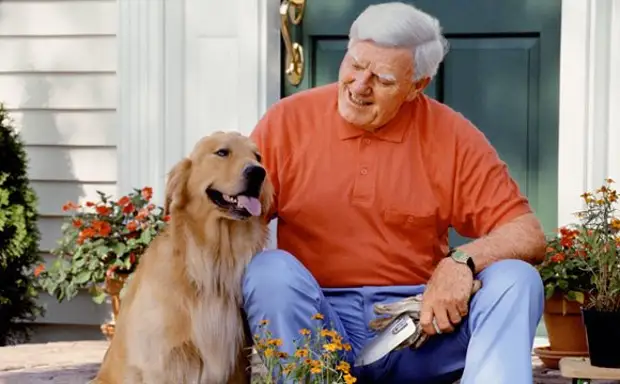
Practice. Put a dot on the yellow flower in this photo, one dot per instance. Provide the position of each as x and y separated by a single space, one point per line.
317 316
269 352
288 368
302 352
276 342
263 323
346 346
615 224
304 332
348 379
331 347
343 366
315 366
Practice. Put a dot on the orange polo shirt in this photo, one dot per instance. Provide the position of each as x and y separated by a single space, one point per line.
373 209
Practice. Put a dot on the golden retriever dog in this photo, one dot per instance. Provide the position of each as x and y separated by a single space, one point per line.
180 320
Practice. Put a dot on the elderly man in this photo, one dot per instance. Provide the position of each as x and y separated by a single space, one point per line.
369 175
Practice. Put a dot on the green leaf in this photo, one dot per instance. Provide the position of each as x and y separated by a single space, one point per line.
146 237
83 277
99 297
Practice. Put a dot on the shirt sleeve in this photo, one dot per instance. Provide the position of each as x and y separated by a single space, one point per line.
485 195
266 136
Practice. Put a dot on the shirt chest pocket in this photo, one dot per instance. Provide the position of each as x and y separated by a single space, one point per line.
419 228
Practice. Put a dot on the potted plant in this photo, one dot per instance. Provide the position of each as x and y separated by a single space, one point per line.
600 241
101 245
566 285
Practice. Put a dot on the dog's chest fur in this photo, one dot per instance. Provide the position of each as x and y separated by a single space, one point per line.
217 327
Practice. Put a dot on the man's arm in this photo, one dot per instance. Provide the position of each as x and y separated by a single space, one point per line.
488 205
521 238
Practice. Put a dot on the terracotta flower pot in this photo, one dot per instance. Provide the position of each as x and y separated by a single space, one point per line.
113 286
565 326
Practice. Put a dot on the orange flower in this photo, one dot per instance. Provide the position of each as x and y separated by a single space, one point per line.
90 204
129 208
85 234
123 201
103 210
132 226
102 228
77 223
70 206
558 257
147 193
40 268
166 218
143 214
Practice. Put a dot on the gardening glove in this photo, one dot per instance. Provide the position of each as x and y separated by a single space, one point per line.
412 306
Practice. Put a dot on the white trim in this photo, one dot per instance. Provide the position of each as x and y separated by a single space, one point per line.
141 109
589 128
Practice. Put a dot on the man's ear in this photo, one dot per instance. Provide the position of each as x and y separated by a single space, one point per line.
418 87
176 186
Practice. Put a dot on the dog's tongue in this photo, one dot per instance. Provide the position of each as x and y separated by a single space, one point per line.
251 204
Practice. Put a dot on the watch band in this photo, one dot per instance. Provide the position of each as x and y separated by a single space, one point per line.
462 258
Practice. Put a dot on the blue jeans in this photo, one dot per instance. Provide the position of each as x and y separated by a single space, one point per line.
493 343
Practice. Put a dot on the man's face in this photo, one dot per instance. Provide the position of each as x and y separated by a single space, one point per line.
374 82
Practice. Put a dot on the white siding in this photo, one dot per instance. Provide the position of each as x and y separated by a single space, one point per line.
58 62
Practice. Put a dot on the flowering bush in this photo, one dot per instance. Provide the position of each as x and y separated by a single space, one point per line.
600 238
562 270
317 358
584 257
101 238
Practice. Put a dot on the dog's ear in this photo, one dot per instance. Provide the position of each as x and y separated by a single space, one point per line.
266 197
176 186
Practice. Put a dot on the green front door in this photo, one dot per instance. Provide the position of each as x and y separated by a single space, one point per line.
501 72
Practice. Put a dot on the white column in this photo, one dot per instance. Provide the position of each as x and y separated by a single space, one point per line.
141 109
589 134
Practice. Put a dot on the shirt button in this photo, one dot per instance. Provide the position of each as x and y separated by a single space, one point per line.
364 171
366 141
410 219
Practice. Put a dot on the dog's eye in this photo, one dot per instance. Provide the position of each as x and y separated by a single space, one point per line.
222 152
259 158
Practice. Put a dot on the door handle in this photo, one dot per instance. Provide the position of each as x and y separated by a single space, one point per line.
293 11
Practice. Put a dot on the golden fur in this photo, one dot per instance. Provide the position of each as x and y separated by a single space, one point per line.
180 320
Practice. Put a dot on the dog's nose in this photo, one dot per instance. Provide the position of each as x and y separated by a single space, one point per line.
254 174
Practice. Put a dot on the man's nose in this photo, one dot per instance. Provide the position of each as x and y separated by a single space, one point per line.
361 83
255 174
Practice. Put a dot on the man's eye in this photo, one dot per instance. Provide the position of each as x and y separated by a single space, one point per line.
222 152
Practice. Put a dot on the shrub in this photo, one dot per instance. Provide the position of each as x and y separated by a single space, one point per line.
19 238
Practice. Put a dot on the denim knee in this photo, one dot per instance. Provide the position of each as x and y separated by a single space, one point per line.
277 278
519 275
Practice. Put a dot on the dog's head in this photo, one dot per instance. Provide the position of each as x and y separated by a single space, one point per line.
222 174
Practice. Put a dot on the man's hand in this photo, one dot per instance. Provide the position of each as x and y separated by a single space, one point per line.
446 297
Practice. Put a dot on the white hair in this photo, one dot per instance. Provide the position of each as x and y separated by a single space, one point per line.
402 25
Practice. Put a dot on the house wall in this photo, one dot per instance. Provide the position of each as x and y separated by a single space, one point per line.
58 62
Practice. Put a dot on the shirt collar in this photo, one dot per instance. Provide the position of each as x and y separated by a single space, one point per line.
393 131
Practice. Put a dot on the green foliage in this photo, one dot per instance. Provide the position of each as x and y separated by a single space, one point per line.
19 238
583 260
102 239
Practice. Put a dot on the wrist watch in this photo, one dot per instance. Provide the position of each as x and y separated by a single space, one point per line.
462 258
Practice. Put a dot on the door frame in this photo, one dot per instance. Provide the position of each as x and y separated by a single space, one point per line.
153 57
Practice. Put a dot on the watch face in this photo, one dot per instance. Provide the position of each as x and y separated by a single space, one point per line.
459 256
